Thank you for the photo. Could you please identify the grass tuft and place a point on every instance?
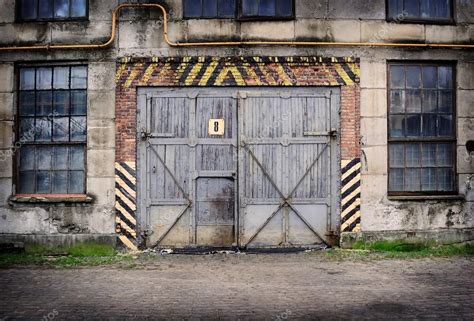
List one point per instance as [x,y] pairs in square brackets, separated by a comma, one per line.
[81,254]
[88,249]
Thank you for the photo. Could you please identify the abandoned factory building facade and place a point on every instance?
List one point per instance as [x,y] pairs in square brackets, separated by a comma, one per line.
[249,123]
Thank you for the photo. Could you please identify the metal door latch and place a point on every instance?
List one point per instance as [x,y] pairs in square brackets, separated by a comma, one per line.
[144,134]
[333,132]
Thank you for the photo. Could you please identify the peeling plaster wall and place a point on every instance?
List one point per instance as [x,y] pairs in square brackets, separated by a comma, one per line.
[140,35]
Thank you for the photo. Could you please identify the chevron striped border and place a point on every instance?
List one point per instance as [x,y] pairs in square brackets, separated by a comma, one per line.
[350,195]
[126,204]
[237,71]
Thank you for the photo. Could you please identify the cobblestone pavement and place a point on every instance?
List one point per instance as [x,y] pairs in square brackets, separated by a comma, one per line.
[244,287]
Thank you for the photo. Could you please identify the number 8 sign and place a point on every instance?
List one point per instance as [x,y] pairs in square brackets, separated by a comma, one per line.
[216,127]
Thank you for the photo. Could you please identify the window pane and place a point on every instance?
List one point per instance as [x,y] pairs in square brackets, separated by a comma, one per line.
[209,8]
[61,129]
[76,157]
[413,123]
[396,179]
[429,155]
[78,129]
[445,75]
[267,8]
[43,129]
[27,158]
[397,155]
[28,9]
[397,101]
[395,7]
[428,8]
[412,7]
[27,103]
[60,182]
[413,155]
[442,9]
[284,8]
[412,180]
[43,182]
[250,7]
[413,101]
[79,77]
[43,157]
[27,182]
[445,125]
[430,77]
[45,9]
[429,125]
[61,78]
[27,78]
[60,157]
[44,78]
[397,126]
[413,77]
[428,179]
[76,182]
[79,102]
[445,155]
[227,8]
[61,103]
[445,101]
[397,77]
[44,103]
[430,101]
[192,8]
[27,129]
[61,8]
[445,179]
[78,8]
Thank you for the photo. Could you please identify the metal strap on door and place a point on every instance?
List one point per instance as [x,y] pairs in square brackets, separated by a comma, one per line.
[285,200]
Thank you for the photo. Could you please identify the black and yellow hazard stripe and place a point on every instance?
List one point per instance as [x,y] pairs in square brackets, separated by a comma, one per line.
[350,195]
[235,71]
[126,204]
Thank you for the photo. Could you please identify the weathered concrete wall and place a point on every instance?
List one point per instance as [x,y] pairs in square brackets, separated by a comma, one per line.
[379,213]
[140,35]
[89,220]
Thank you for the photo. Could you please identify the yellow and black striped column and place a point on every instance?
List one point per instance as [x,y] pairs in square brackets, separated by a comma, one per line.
[126,204]
[350,195]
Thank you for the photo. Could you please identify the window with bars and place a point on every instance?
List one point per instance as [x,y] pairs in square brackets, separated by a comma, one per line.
[52,114]
[34,10]
[421,136]
[421,10]
[245,9]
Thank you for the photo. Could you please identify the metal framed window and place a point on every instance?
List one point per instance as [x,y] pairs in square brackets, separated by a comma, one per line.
[277,9]
[210,8]
[432,11]
[50,10]
[421,129]
[52,130]
[243,9]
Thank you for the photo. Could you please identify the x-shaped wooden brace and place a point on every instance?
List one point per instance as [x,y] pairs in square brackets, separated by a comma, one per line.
[285,199]
[186,196]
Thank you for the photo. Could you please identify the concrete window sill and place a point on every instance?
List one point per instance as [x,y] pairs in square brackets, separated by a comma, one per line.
[427,198]
[50,199]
